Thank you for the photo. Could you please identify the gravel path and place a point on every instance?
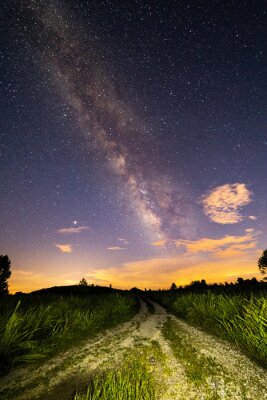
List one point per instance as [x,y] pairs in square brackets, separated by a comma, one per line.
[58,378]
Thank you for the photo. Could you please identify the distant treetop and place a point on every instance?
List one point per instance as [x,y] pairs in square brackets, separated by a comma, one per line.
[83,282]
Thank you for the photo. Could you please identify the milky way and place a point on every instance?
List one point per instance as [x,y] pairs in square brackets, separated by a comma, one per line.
[112,129]
[132,141]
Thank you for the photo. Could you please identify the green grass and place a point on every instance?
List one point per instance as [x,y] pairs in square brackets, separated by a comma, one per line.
[134,380]
[235,318]
[36,328]
[197,366]
[211,379]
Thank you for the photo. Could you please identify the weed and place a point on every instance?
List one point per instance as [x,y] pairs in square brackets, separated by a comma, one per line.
[235,318]
[30,332]
[132,381]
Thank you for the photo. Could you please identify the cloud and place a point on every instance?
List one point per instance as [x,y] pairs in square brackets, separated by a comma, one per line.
[216,260]
[124,241]
[28,280]
[222,204]
[115,248]
[65,248]
[209,245]
[161,272]
[73,229]
[160,243]
[229,243]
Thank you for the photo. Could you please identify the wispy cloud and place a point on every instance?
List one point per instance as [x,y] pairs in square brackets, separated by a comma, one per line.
[222,204]
[73,229]
[224,246]
[122,240]
[160,243]
[237,243]
[28,280]
[115,248]
[215,260]
[160,272]
[65,248]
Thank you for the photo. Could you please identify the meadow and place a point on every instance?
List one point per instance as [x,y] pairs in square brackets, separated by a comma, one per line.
[36,326]
[127,363]
[235,313]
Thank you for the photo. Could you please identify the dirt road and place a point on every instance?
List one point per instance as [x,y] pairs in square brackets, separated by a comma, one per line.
[228,373]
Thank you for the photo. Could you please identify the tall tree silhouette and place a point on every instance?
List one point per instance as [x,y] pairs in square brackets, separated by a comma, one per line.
[5,273]
[262,263]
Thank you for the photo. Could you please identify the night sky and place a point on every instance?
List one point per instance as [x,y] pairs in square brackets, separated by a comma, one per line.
[133,143]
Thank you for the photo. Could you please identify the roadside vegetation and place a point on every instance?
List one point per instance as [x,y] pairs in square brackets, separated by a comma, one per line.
[36,326]
[133,380]
[201,370]
[237,313]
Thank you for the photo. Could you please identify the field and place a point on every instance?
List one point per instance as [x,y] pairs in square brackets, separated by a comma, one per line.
[35,327]
[102,344]
[237,318]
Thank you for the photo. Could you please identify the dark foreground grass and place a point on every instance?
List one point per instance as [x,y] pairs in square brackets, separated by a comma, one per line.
[134,380]
[239,319]
[34,328]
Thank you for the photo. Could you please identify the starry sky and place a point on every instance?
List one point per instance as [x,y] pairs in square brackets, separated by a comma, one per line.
[133,143]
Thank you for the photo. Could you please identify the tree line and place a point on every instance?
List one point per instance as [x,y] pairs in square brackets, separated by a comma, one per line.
[5,274]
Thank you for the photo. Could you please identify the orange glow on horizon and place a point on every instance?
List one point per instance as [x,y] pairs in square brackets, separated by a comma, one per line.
[150,274]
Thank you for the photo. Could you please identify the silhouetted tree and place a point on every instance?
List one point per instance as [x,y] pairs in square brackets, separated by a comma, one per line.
[262,263]
[173,286]
[5,274]
[134,289]
[83,282]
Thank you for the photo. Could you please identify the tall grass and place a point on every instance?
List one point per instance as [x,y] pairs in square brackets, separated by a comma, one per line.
[40,327]
[125,383]
[235,318]
[132,381]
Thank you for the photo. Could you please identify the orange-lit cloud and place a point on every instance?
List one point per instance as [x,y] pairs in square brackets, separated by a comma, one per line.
[151,273]
[65,248]
[160,243]
[73,229]
[115,248]
[239,243]
[161,272]
[223,203]
[216,260]
[26,281]
[225,245]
